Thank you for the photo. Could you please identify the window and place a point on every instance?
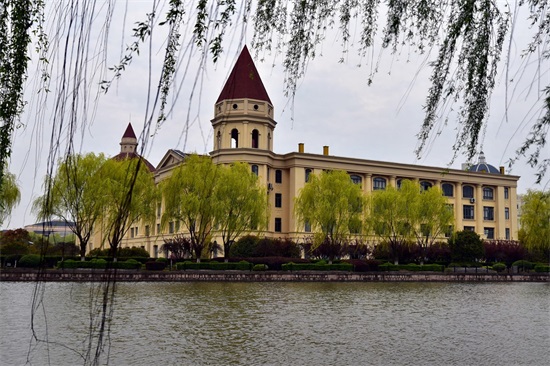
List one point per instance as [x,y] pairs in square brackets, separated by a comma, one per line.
[277,224]
[487,193]
[398,183]
[468,212]
[155,251]
[177,226]
[506,193]
[171,227]
[356,179]
[136,231]
[255,139]
[467,192]
[507,231]
[424,186]
[489,232]
[278,176]
[449,231]
[469,228]
[255,169]
[219,139]
[506,213]
[131,232]
[379,183]
[278,200]
[307,227]
[159,210]
[488,213]
[158,229]
[448,190]
[234,138]
[147,230]
[308,172]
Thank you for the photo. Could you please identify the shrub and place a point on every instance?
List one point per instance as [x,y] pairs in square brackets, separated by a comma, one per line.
[466,246]
[243,266]
[523,265]
[29,261]
[163,260]
[128,264]
[499,267]
[68,263]
[155,266]
[542,268]
[259,267]
[244,247]
[360,265]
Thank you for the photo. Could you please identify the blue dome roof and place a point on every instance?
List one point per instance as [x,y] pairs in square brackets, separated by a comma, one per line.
[483,167]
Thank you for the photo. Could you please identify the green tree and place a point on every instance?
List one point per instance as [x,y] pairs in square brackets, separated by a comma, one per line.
[74,195]
[431,215]
[466,246]
[9,196]
[129,196]
[190,197]
[535,219]
[333,205]
[391,218]
[242,203]
[16,242]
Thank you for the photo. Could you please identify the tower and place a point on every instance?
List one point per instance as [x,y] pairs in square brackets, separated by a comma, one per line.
[128,143]
[243,114]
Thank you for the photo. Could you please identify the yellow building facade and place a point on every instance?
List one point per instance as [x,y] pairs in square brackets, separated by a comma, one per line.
[484,199]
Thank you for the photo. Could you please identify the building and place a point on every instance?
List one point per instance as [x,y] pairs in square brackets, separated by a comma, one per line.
[483,197]
[48,228]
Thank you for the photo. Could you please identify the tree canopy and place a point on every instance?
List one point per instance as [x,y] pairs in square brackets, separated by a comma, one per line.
[535,219]
[10,195]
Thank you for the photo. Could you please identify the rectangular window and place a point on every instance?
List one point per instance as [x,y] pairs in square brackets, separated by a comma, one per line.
[488,193]
[468,212]
[159,210]
[131,232]
[178,226]
[506,213]
[171,227]
[488,213]
[278,200]
[469,228]
[507,234]
[278,176]
[158,229]
[278,225]
[489,232]
[506,193]
[307,227]
[449,231]
[147,230]
[136,231]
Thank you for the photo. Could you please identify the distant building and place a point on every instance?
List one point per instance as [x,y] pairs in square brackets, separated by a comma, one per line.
[50,228]
[483,198]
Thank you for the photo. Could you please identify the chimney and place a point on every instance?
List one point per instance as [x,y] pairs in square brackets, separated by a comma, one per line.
[301,147]
[502,171]
[325,150]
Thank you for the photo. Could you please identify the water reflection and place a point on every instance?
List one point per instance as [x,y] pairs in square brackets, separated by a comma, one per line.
[288,323]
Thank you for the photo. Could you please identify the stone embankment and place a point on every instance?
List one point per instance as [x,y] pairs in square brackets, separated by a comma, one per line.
[81,275]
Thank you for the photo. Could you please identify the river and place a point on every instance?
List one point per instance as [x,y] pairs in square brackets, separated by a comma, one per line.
[282,324]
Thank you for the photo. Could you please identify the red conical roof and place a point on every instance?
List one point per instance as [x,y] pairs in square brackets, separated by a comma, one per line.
[244,81]
[129,133]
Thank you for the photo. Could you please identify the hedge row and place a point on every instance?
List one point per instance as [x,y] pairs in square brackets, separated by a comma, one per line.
[99,264]
[317,267]
[411,267]
[221,266]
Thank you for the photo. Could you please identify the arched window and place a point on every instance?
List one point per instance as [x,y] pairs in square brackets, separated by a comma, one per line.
[219,140]
[488,193]
[356,179]
[255,139]
[255,169]
[448,189]
[424,186]
[308,172]
[467,192]
[234,138]
[379,183]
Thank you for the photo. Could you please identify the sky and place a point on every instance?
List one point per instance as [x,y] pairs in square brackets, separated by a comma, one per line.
[333,106]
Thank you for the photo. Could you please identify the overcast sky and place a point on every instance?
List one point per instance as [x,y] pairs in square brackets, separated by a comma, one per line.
[333,106]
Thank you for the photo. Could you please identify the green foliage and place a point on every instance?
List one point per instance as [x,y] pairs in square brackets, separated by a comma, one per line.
[244,247]
[10,195]
[499,267]
[535,219]
[155,265]
[523,265]
[542,268]
[466,246]
[260,267]
[14,242]
[333,205]
[29,261]
[319,266]
[411,267]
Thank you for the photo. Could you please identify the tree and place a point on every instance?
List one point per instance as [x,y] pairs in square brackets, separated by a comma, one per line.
[190,197]
[466,246]
[75,196]
[242,203]
[15,242]
[535,219]
[390,218]
[179,246]
[9,196]
[129,195]
[333,205]
[431,215]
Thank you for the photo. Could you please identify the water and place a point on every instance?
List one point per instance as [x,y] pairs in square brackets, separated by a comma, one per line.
[285,324]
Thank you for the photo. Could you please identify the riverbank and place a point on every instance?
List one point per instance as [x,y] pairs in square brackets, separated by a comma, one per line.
[83,275]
